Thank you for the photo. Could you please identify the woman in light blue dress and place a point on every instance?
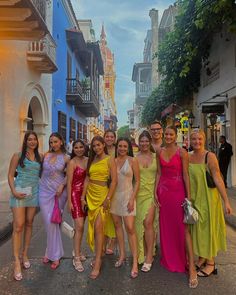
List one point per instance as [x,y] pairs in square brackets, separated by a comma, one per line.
[24,197]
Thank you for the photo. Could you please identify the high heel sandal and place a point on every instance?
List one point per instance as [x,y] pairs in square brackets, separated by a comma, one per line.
[26,264]
[45,260]
[203,274]
[77,264]
[134,274]
[146,267]
[17,275]
[119,263]
[193,283]
[55,264]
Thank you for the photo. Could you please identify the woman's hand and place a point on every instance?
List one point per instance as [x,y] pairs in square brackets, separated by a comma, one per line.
[19,195]
[83,205]
[130,205]
[106,204]
[60,190]
[70,206]
[228,208]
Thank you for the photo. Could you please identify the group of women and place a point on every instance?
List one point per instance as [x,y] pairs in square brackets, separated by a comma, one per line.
[112,187]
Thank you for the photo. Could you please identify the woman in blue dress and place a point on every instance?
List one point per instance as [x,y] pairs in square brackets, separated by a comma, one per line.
[24,197]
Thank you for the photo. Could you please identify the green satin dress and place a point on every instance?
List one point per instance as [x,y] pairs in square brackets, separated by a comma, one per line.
[209,233]
[144,201]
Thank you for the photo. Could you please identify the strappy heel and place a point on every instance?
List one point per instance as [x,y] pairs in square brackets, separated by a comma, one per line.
[203,274]
[78,264]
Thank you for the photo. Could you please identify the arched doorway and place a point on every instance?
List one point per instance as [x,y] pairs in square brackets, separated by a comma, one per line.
[34,113]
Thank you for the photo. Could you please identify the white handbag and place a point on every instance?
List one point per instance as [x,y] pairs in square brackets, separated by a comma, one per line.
[67,229]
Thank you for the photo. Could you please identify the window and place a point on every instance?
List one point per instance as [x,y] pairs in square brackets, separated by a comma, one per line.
[79,131]
[69,66]
[72,128]
[85,132]
[62,124]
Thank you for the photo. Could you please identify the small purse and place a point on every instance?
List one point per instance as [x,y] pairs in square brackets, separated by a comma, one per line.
[56,212]
[67,230]
[209,178]
[190,214]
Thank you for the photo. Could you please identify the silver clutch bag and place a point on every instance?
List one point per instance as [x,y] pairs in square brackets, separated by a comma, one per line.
[190,214]
[67,229]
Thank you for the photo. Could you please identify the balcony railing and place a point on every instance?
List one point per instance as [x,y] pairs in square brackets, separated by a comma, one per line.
[74,87]
[144,89]
[40,5]
[83,98]
[46,46]
[42,54]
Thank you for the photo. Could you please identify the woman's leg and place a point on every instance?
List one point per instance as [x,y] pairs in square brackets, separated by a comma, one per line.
[99,240]
[149,234]
[79,230]
[18,227]
[192,270]
[29,218]
[132,238]
[120,236]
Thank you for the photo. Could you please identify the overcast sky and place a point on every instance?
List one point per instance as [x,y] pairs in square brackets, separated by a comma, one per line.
[126,24]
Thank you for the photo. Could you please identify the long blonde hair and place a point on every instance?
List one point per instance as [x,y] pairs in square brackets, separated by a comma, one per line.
[198,131]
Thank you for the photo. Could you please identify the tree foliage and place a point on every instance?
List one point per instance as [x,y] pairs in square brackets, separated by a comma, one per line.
[123,131]
[184,49]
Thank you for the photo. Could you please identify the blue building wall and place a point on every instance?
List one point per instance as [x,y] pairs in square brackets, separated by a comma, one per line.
[61,23]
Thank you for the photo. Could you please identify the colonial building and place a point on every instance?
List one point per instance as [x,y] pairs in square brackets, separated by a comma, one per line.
[95,124]
[215,102]
[110,119]
[76,85]
[27,59]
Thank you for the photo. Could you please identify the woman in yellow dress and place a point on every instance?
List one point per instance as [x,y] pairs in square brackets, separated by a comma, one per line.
[208,234]
[98,195]
[110,233]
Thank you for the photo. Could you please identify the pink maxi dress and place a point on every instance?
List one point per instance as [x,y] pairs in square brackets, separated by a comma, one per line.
[171,194]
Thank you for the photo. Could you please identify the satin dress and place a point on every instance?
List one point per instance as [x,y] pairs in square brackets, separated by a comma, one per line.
[171,194]
[96,195]
[52,177]
[77,186]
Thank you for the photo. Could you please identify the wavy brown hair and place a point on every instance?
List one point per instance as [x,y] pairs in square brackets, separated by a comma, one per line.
[92,154]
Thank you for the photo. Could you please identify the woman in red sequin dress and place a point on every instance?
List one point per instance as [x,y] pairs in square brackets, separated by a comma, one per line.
[76,173]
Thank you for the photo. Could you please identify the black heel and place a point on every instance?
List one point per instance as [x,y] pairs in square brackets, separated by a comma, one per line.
[203,274]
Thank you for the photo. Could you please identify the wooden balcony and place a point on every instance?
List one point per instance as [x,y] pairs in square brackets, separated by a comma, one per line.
[74,92]
[23,19]
[84,99]
[42,55]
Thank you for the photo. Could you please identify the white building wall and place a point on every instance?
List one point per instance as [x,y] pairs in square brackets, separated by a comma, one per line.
[223,51]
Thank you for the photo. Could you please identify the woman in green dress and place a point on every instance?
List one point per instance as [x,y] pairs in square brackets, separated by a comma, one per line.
[208,234]
[146,211]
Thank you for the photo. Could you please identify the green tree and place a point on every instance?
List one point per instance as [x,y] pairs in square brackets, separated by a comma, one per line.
[123,131]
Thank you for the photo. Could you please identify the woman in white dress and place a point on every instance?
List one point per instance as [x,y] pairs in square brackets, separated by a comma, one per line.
[123,205]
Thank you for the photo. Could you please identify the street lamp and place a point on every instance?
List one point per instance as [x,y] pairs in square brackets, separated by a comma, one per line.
[191,118]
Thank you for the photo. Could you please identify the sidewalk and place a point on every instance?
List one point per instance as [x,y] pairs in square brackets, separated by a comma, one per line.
[6,216]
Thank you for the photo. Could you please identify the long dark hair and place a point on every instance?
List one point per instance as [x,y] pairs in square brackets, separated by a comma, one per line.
[109,131]
[145,133]
[24,149]
[73,145]
[92,154]
[130,149]
[59,136]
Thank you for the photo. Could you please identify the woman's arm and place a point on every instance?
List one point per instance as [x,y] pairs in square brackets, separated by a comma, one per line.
[185,165]
[215,172]
[69,173]
[136,172]
[83,199]
[11,173]
[158,175]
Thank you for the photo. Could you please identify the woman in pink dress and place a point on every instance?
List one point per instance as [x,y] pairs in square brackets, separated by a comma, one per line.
[172,188]
[76,173]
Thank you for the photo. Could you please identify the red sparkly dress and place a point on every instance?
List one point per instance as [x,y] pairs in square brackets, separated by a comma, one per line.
[76,192]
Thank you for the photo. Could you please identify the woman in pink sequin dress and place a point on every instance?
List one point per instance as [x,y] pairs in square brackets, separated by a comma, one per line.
[172,188]
[76,173]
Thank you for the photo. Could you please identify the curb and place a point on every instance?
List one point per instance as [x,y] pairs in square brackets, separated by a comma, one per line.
[231,221]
